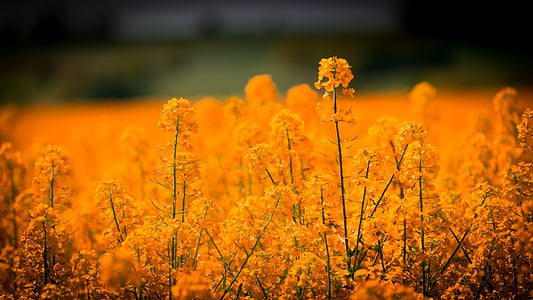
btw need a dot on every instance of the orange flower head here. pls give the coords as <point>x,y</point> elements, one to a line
<point>261,90</point>
<point>52,164</point>
<point>301,96</point>
<point>178,115</point>
<point>337,72</point>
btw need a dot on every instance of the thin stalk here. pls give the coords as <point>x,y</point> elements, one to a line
<point>302,292</point>
<point>328,260</point>
<point>195,258</point>
<point>174,169</point>
<point>404,250</point>
<point>249,254</point>
<point>45,256</point>
<point>173,264</point>
<point>515,276</point>
<point>358,236</point>
<point>88,289</point>
<point>238,292</point>
<point>140,280</point>
<point>398,163</point>
<point>214,244</point>
<point>448,262</point>
<point>270,176</point>
<point>462,248</point>
<point>115,217</point>
<point>183,201</point>
<point>226,270</point>
<point>486,279</point>
<point>379,255</point>
<point>290,156</point>
<point>485,282</point>
<point>51,188</point>
<point>302,169</point>
<point>51,199</point>
<point>170,279</point>
<point>422,235</point>
<point>382,194</point>
<point>328,265</point>
<point>262,287</point>
<point>341,184</point>
<point>389,182</point>
<point>266,169</point>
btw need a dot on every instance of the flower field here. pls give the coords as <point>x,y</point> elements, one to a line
<point>316,193</point>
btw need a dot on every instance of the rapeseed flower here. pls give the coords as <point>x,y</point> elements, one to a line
<point>334,72</point>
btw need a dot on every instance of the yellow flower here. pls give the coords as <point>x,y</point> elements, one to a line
<point>421,97</point>
<point>53,164</point>
<point>178,115</point>
<point>337,72</point>
<point>261,90</point>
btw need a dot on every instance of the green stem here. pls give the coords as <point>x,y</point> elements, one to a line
<point>389,182</point>
<point>183,201</point>
<point>249,254</point>
<point>328,263</point>
<point>488,271</point>
<point>290,156</point>
<point>462,248</point>
<point>422,235</point>
<point>174,169</point>
<point>170,280</point>
<point>174,209</point>
<point>358,236</point>
<point>342,188</point>
<point>266,169</point>
<point>45,256</point>
<point>173,263</point>
<point>195,258</point>
<point>120,238</point>
<point>141,286</point>
<point>448,262</point>
<point>214,244</point>
<point>238,292</point>
<point>404,250</point>
<point>88,289</point>
<point>262,287</point>
<point>51,188</point>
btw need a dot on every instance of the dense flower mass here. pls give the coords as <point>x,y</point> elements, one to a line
<point>257,198</point>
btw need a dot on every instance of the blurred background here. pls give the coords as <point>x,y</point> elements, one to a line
<point>59,50</point>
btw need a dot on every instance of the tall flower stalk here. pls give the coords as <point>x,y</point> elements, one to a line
<point>44,237</point>
<point>337,72</point>
<point>180,170</point>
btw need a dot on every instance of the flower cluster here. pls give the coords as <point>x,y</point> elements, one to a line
<point>422,98</point>
<point>338,72</point>
<point>50,168</point>
<point>177,117</point>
